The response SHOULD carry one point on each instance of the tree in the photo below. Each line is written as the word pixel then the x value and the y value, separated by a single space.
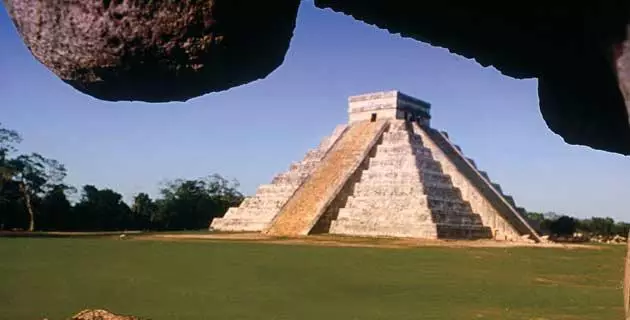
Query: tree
pixel 191 204
pixel 102 210
pixel 8 140
pixel 34 175
pixel 143 210
pixel 563 226
pixel 603 226
pixel 55 209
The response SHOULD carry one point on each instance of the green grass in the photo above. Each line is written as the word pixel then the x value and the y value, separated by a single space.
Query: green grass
pixel 57 277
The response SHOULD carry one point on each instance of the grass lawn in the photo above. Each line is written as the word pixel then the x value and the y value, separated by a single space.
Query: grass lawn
pixel 57 277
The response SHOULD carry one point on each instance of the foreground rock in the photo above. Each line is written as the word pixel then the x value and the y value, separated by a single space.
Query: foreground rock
pixel 99 314
pixel 156 50
pixel 568 47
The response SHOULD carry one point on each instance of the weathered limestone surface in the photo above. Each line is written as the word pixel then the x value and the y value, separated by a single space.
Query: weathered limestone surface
pixel 300 214
pixel 255 213
pixel 490 214
pixel 403 193
pixel 156 50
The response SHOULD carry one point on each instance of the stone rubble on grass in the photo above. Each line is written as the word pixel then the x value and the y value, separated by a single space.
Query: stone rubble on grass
pixel 100 314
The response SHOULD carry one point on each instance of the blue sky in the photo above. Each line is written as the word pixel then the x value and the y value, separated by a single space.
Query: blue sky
pixel 255 131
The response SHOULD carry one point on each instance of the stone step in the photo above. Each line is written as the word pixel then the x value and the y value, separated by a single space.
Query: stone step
pixel 455 205
pixel 401 137
pixel 409 215
pixel 238 225
pixel 402 156
pixel 380 184
pixel 373 189
pixel 443 193
pixel 403 149
pixel 231 212
pixel 423 231
pixel 257 212
pixel 390 203
pixel 446 231
pixel 275 189
pixel 291 177
pixel 355 228
pixel 455 217
pixel 266 202
pixel 397 125
pixel 400 176
pixel 402 143
pixel 437 191
pixel 404 164
pixel 395 203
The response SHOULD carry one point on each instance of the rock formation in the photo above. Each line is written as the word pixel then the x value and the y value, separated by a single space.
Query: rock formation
pixel 156 50
pixel 568 47
pixel 386 173
pixel 99 314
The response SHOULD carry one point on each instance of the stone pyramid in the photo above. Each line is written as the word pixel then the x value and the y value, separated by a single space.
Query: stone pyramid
pixel 386 173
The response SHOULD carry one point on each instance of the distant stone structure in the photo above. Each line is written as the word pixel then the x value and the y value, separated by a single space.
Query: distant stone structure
pixel 386 173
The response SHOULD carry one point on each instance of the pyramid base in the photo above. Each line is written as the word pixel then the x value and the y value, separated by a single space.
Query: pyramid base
pixel 238 225
pixel 420 231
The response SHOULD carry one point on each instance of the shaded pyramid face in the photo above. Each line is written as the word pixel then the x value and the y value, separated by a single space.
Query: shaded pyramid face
pixel 385 174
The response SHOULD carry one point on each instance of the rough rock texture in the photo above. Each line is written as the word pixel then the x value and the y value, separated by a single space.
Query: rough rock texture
pixel 568 47
pixel 622 54
pixel 99 314
pixel 156 50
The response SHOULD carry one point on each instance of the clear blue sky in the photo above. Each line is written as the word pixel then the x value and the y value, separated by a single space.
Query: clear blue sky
pixel 255 131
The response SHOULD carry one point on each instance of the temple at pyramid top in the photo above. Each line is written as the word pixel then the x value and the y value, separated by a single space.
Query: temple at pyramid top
pixel 385 173
pixel 388 105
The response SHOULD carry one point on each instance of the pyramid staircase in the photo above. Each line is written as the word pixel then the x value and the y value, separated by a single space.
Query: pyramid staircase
pixel 301 212
pixel 404 193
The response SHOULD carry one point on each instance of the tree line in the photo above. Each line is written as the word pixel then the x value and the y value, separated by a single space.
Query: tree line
pixel 564 225
pixel 33 196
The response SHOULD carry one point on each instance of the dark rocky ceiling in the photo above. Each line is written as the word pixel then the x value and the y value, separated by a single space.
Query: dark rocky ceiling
pixel 159 51
pixel 568 46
